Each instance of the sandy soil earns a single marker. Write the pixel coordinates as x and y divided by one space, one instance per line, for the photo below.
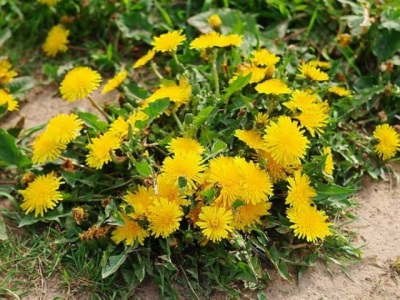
378 227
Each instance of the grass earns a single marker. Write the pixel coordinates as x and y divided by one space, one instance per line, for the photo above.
34 260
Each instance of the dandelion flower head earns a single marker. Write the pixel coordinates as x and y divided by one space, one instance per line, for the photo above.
46 147
248 215
263 57
300 192
64 128
56 41
214 21
340 91
252 138
141 200
164 217
144 59
6 73
49 2
388 141
185 145
100 150
273 86
41 195
215 39
313 73
114 82
168 41
215 222
79 83
6 98
130 232
328 166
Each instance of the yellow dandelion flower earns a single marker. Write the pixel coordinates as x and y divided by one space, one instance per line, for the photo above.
119 127
141 200
64 128
249 214
224 173
263 57
300 192
214 21
137 115
180 94
273 86
215 222
256 185
100 150
257 73
328 166
168 41
285 141
185 145
170 191
312 73
6 74
315 118
130 232
79 83
301 100
275 170
309 223
262 118
56 41
114 82
252 138
46 147
320 64
186 165
388 141
340 91
49 2
144 59
164 217
41 195
214 39
6 98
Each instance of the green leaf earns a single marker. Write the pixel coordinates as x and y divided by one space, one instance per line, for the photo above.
21 85
143 168
3 232
219 146
203 115
114 262
387 44
154 109
93 121
10 153
4 36
54 215
390 19
237 85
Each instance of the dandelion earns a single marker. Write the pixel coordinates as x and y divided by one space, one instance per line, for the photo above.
309 223
164 217
168 41
285 141
215 222
300 192
315 118
261 118
56 41
388 141
273 86
144 59
130 232
41 195
224 173
249 214
119 127
79 83
6 98
170 191
214 21
256 185
215 39
180 94
46 147
100 150
257 74
114 82
185 145
6 74
344 39
301 100
312 73
252 138
49 2
320 64
183 165
141 200
263 57
64 128
328 166
340 91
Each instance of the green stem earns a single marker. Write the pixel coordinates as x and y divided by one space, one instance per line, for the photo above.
155 70
101 110
180 125
177 60
215 72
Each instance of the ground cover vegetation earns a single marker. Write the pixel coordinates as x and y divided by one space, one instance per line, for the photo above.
235 146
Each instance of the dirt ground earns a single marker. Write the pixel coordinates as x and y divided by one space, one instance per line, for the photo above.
378 227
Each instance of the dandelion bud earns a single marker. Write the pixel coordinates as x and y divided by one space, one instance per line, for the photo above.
344 39
214 21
